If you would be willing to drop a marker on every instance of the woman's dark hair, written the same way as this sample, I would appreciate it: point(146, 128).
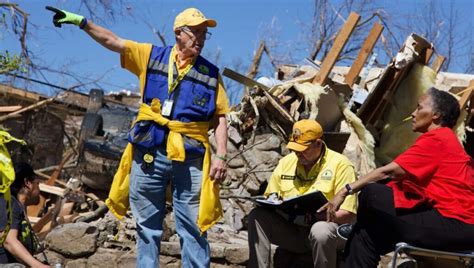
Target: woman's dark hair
point(23, 171)
point(446, 105)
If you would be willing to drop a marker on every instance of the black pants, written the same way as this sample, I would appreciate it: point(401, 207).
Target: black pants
point(380, 226)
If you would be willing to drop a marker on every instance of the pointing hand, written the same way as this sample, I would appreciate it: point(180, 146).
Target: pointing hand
point(62, 16)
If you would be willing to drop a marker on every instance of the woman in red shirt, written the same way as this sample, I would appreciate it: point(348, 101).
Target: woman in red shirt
point(429, 201)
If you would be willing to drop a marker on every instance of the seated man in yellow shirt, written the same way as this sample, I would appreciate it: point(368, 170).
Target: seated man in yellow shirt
point(312, 166)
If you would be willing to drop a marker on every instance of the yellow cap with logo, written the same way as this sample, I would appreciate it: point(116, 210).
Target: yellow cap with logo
point(192, 17)
point(304, 133)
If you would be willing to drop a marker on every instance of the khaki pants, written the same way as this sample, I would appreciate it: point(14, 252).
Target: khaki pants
point(265, 227)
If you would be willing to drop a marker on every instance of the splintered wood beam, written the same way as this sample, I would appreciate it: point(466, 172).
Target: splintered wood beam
point(428, 54)
point(339, 43)
point(31, 107)
point(243, 79)
point(9, 109)
point(364, 54)
point(438, 63)
point(20, 93)
point(52, 189)
point(256, 61)
point(39, 225)
point(466, 96)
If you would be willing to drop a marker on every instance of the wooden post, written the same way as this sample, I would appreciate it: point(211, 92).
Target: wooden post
point(438, 63)
point(364, 53)
point(428, 54)
point(339, 43)
point(256, 61)
point(466, 95)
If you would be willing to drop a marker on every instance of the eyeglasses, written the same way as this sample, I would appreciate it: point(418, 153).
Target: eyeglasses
point(198, 34)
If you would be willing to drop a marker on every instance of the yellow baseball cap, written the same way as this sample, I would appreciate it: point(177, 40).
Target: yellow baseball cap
point(304, 133)
point(192, 17)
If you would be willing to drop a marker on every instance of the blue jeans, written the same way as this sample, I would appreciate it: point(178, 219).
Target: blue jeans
point(147, 201)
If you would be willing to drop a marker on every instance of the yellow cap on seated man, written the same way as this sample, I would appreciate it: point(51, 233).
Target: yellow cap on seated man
point(304, 133)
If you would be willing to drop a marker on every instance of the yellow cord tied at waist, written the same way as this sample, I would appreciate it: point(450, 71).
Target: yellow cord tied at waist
point(210, 209)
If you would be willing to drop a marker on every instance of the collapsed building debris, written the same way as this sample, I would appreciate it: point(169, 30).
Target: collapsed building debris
point(75, 142)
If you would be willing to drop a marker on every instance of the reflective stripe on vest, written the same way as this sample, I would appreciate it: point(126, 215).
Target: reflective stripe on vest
point(194, 98)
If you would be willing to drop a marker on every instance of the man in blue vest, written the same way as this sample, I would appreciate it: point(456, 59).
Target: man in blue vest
point(182, 95)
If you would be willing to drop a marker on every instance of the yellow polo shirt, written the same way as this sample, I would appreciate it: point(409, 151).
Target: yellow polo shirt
point(329, 175)
point(135, 59)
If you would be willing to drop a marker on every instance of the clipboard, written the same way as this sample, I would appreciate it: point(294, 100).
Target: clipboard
point(304, 203)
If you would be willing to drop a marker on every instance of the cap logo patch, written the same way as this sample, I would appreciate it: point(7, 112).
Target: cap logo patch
point(296, 134)
point(198, 14)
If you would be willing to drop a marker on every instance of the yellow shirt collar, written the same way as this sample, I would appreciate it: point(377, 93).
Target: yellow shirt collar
point(181, 65)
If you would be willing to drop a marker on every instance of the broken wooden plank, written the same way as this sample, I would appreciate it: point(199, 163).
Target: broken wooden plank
point(66, 209)
point(20, 93)
point(9, 109)
point(57, 171)
point(466, 96)
point(470, 114)
point(34, 210)
point(256, 61)
point(31, 107)
point(374, 106)
point(243, 79)
point(339, 43)
point(294, 107)
point(364, 54)
point(33, 220)
point(438, 63)
point(37, 227)
point(280, 109)
point(52, 189)
point(428, 54)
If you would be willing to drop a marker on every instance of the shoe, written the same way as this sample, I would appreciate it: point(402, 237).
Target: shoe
point(344, 230)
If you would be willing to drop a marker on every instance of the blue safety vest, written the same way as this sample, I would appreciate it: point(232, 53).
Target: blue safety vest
point(194, 99)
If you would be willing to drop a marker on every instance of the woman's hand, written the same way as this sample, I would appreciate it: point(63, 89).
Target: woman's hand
point(333, 205)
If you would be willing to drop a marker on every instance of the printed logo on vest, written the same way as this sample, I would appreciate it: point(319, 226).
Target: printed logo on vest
point(327, 175)
point(203, 69)
point(288, 177)
point(200, 101)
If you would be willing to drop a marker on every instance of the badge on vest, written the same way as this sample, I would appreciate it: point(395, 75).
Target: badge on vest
point(148, 158)
point(203, 69)
point(288, 177)
point(200, 101)
point(327, 175)
point(167, 107)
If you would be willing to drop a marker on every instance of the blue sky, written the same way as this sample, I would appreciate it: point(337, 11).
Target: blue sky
point(241, 25)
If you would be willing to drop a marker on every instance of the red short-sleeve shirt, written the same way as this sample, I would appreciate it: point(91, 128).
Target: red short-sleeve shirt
point(439, 172)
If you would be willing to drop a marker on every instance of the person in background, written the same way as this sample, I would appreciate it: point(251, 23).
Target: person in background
point(429, 201)
point(3, 225)
point(312, 166)
point(182, 97)
point(21, 243)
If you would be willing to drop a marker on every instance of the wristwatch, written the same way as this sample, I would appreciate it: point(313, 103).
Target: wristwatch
point(349, 189)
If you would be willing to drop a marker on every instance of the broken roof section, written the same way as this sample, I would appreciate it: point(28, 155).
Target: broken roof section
point(377, 96)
